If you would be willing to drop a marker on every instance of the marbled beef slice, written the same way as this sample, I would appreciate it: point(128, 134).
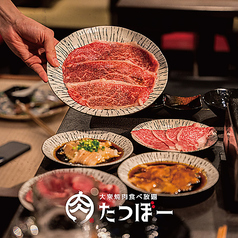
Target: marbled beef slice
point(103, 94)
point(103, 50)
point(109, 70)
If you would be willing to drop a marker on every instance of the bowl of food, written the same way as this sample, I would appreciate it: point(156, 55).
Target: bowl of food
point(87, 148)
point(168, 174)
point(182, 106)
point(71, 180)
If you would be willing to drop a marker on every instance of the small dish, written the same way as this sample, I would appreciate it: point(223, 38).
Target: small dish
point(58, 140)
point(182, 106)
point(217, 100)
point(210, 171)
point(43, 103)
point(97, 174)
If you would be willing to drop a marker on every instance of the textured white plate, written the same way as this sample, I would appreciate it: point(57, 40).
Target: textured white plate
point(53, 142)
point(97, 174)
point(164, 124)
point(210, 171)
point(107, 33)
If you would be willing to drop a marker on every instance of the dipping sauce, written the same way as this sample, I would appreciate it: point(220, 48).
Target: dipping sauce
point(167, 177)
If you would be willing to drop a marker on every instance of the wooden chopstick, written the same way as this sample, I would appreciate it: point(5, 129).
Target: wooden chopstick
point(222, 231)
point(37, 120)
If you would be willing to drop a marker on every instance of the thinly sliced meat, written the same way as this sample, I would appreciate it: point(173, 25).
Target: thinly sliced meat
point(106, 189)
point(103, 50)
point(51, 187)
point(147, 137)
point(193, 137)
point(60, 186)
point(109, 70)
point(103, 94)
point(172, 133)
point(99, 61)
point(83, 183)
point(161, 135)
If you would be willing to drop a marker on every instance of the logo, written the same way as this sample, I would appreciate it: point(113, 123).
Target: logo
point(81, 207)
point(78, 204)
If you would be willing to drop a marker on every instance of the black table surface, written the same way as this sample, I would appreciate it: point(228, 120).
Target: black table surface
point(198, 216)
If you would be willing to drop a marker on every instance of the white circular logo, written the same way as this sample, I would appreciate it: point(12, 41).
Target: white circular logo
point(79, 202)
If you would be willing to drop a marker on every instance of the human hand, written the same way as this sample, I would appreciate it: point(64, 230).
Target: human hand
point(32, 42)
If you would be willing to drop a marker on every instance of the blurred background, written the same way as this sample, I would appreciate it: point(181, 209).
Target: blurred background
point(197, 41)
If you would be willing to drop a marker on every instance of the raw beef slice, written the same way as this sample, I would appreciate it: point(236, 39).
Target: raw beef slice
point(103, 94)
point(172, 133)
point(192, 137)
point(103, 50)
point(161, 135)
point(109, 70)
point(147, 138)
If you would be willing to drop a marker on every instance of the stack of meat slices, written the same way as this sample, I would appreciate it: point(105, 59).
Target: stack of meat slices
point(182, 138)
point(110, 75)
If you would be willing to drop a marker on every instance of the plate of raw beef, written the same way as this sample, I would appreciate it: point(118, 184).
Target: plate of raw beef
point(175, 135)
point(108, 71)
point(59, 185)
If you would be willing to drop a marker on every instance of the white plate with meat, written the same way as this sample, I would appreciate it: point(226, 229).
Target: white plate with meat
point(108, 71)
point(71, 181)
point(87, 148)
point(168, 174)
point(175, 135)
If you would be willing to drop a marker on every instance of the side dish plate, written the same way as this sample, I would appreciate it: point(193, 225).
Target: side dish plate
point(44, 104)
point(209, 170)
point(106, 33)
point(57, 140)
point(164, 124)
point(97, 174)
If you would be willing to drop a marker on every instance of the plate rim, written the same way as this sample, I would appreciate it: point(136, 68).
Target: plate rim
point(177, 121)
point(67, 137)
point(88, 171)
point(174, 157)
point(51, 71)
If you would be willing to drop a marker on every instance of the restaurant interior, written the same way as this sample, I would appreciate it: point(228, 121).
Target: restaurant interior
point(198, 39)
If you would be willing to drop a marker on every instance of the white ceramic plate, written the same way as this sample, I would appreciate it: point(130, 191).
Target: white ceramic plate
point(97, 174)
point(57, 140)
point(106, 33)
point(164, 124)
point(210, 171)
